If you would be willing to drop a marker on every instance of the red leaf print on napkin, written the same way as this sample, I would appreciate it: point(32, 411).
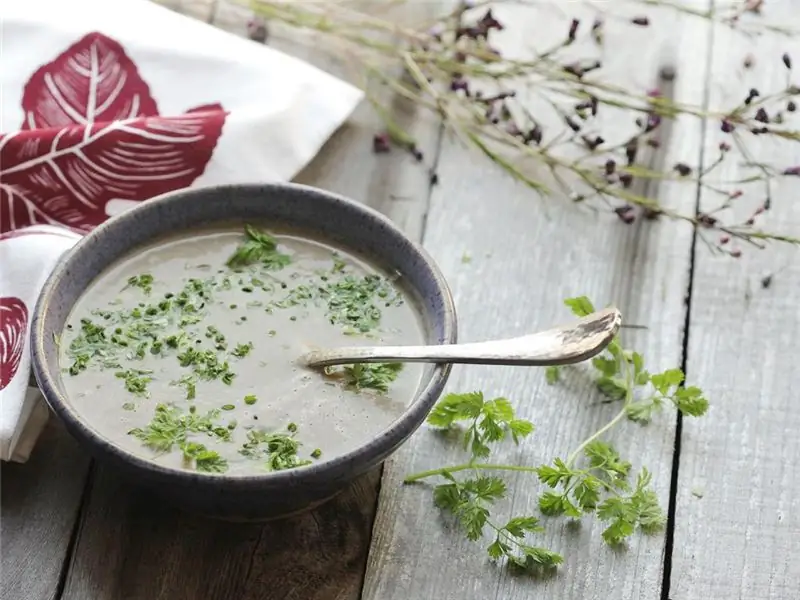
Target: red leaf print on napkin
point(92, 134)
point(13, 325)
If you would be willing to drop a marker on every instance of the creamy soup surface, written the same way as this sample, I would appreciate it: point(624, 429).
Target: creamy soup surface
point(185, 352)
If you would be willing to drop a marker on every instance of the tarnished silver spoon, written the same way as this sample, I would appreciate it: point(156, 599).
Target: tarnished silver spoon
point(563, 345)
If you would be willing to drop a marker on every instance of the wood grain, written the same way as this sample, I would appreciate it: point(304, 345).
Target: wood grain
point(738, 513)
point(527, 256)
point(129, 549)
point(39, 504)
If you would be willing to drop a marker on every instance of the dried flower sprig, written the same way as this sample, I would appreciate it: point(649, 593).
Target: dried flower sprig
point(447, 65)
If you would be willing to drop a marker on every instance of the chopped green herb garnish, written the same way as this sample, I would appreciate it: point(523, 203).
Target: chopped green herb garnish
point(143, 281)
point(170, 428)
point(206, 364)
point(375, 376)
point(353, 301)
point(279, 449)
point(135, 381)
point(228, 407)
point(250, 399)
point(258, 247)
point(242, 350)
point(204, 459)
point(188, 382)
point(316, 453)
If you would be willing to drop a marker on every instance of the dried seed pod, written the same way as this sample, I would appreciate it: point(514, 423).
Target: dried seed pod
point(381, 143)
point(625, 213)
point(597, 31)
point(631, 149)
point(534, 135)
point(257, 30)
point(706, 220)
point(573, 30)
point(572, 124)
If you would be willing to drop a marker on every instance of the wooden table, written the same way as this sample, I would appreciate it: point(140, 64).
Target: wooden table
point(71, 530)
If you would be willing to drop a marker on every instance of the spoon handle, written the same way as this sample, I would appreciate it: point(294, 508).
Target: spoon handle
point(564, 345)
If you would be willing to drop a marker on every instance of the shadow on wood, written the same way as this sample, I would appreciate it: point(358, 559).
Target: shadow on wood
point(128, 546)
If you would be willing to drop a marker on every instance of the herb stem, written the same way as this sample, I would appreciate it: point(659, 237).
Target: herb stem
point(464, 467)
point(613, 422)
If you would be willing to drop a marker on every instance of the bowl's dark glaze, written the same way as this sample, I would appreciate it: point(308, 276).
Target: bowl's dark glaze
point(342, 221)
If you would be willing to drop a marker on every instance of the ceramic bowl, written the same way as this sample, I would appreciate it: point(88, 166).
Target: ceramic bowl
point(344, 222)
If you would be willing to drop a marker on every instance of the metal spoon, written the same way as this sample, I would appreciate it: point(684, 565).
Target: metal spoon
point(564, 345)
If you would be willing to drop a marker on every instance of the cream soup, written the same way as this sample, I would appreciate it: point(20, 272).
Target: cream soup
point(185, 352)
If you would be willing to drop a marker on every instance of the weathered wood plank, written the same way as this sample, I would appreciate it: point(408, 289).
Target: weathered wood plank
point(738, 517)
point(527, 256)
point(129, 548)
point(40, 502)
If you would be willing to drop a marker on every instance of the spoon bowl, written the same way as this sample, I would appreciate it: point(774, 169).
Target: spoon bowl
point(564, 345)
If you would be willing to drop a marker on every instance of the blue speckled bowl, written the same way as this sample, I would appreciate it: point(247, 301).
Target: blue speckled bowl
point(343, 221)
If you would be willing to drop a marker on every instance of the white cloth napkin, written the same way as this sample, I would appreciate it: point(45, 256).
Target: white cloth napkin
point(104, 104)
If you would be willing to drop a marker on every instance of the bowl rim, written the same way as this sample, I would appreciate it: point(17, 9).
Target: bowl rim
point(381, 444)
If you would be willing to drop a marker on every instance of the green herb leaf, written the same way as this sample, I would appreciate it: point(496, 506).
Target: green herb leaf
point(456, 407)
point(144, 282)
point(242, 350)
point(258, 247)
point(170, 428)
point(580, 306)
point(277, 449)
point(136, 381)
point(374, 376)
point(690, 401)
point(518, 526)
point(664, 382)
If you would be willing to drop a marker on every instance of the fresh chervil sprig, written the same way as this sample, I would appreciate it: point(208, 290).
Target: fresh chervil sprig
point(601, 486)
point(651, 391)
point(592, 479)
point(469, 501)
point(170, 428)
point(488, 420)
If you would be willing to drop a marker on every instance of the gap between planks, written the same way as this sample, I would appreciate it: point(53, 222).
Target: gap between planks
point(738, 514)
